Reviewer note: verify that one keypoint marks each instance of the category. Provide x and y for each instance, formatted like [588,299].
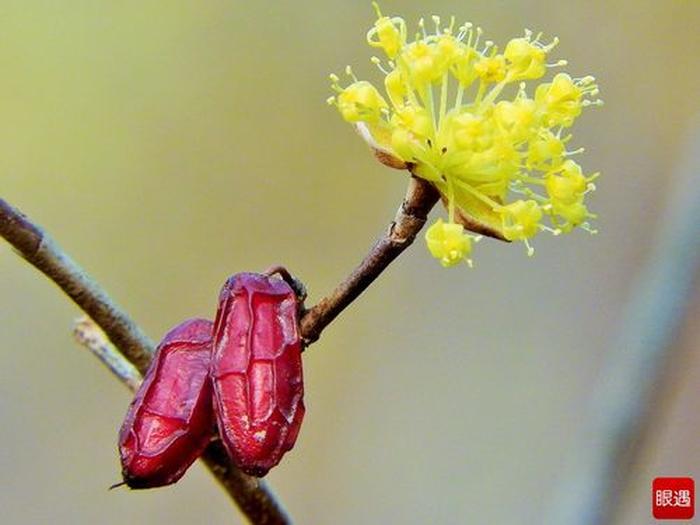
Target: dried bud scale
[256,370]
[170,421]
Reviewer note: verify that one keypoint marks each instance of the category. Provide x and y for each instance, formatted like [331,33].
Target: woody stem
[410,218]
[130,344]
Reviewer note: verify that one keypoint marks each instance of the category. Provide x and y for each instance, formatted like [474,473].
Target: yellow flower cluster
[456,113]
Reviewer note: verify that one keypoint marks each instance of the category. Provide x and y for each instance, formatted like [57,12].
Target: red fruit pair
[248,363]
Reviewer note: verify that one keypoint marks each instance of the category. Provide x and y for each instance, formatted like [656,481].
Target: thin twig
[130,345]
[88,334]
[410,218]
[253,497]
[43,253]
[249,492]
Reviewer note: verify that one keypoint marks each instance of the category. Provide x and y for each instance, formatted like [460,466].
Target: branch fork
[119,343]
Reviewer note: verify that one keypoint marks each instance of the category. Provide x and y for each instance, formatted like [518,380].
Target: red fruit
[256,370]
[170,421]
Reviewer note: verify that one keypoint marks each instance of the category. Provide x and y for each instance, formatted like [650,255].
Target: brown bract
[478,217]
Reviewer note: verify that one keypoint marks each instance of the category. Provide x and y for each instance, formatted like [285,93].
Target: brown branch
[43,253]
[410,218]
[130,345]
[253,497]
[88,334]
[251,494]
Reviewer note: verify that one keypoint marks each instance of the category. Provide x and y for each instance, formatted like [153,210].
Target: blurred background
[169,144]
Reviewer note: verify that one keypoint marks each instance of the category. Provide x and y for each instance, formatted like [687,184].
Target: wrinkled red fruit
[170,421]
[256,370]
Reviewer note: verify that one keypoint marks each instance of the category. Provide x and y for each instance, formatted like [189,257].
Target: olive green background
[169,144]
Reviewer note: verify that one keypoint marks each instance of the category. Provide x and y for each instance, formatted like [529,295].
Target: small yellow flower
[561,101]
[389,34]
[449,243]
[491,69]
[361,102]
[526,59]
[516,119]
[546,151]
[566,188]
[567,185]
[501,163]
[521,221]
